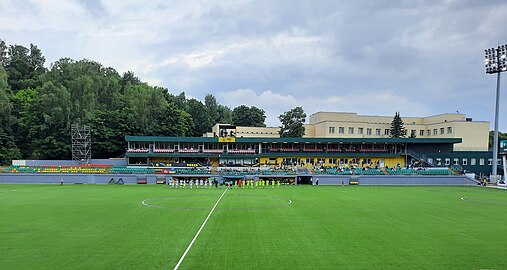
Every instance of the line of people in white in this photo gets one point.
(191, 183)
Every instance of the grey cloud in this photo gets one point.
(378, 56)
(94, 7)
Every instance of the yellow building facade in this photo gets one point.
(474, 134)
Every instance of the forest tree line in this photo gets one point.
(38, 105)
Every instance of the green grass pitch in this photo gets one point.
(325, 227)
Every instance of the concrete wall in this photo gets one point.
(18, 178)
(395, 180)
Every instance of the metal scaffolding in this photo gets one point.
(81, 143)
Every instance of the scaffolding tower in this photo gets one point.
(81, 143)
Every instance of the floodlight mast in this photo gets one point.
(496, 62)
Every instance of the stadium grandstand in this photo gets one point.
(231, 153)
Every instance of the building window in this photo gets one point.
(421, 132)
(412, 133)
(481, 162)
(449, 130)
(441, 130)
(368, 131)
(360, 131)
(341, 130)
(332, 161)
(439, 162)
(490, 161)
(447, 161)
(377, 131)
(430, 160)
(351, 130)
(435, 131)
(386, 131)
(464, 162)
(331, 130)
(428, 132)
(456, 161)
(472, 161)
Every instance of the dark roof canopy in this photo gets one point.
(292, 140)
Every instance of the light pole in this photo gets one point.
(496, 62)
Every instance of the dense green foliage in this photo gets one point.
(397, 128)
(39, 105)
(293, 123)
(107, 227)
(501, 136)
(248, 116)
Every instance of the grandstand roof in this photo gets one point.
(293, 140)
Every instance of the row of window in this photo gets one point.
(435, 131)
(464, 161)
(341, 130)
(378, 131)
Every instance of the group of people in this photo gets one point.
(254, 184)
(201, 183)
(208, 183)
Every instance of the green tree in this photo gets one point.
(292, 123)
(23, 109)
(8, 148)
(501, 136)
(224, 115)
(248, 116)
(3, 53)
(108, 129)
(217, 112)
(397, 128)
(202, 119)
(23, 65)
(91, 86)
(50, 125)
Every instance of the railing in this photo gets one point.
(418, 156)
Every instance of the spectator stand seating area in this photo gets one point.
(385, 171)
(131, 170)
(347, 171)
(420, 171)
(90, 168)
(237, 171)
(191, 170)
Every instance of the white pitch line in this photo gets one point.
(199, 231)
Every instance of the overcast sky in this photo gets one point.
(371, 57)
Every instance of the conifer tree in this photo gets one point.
(397, 128)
